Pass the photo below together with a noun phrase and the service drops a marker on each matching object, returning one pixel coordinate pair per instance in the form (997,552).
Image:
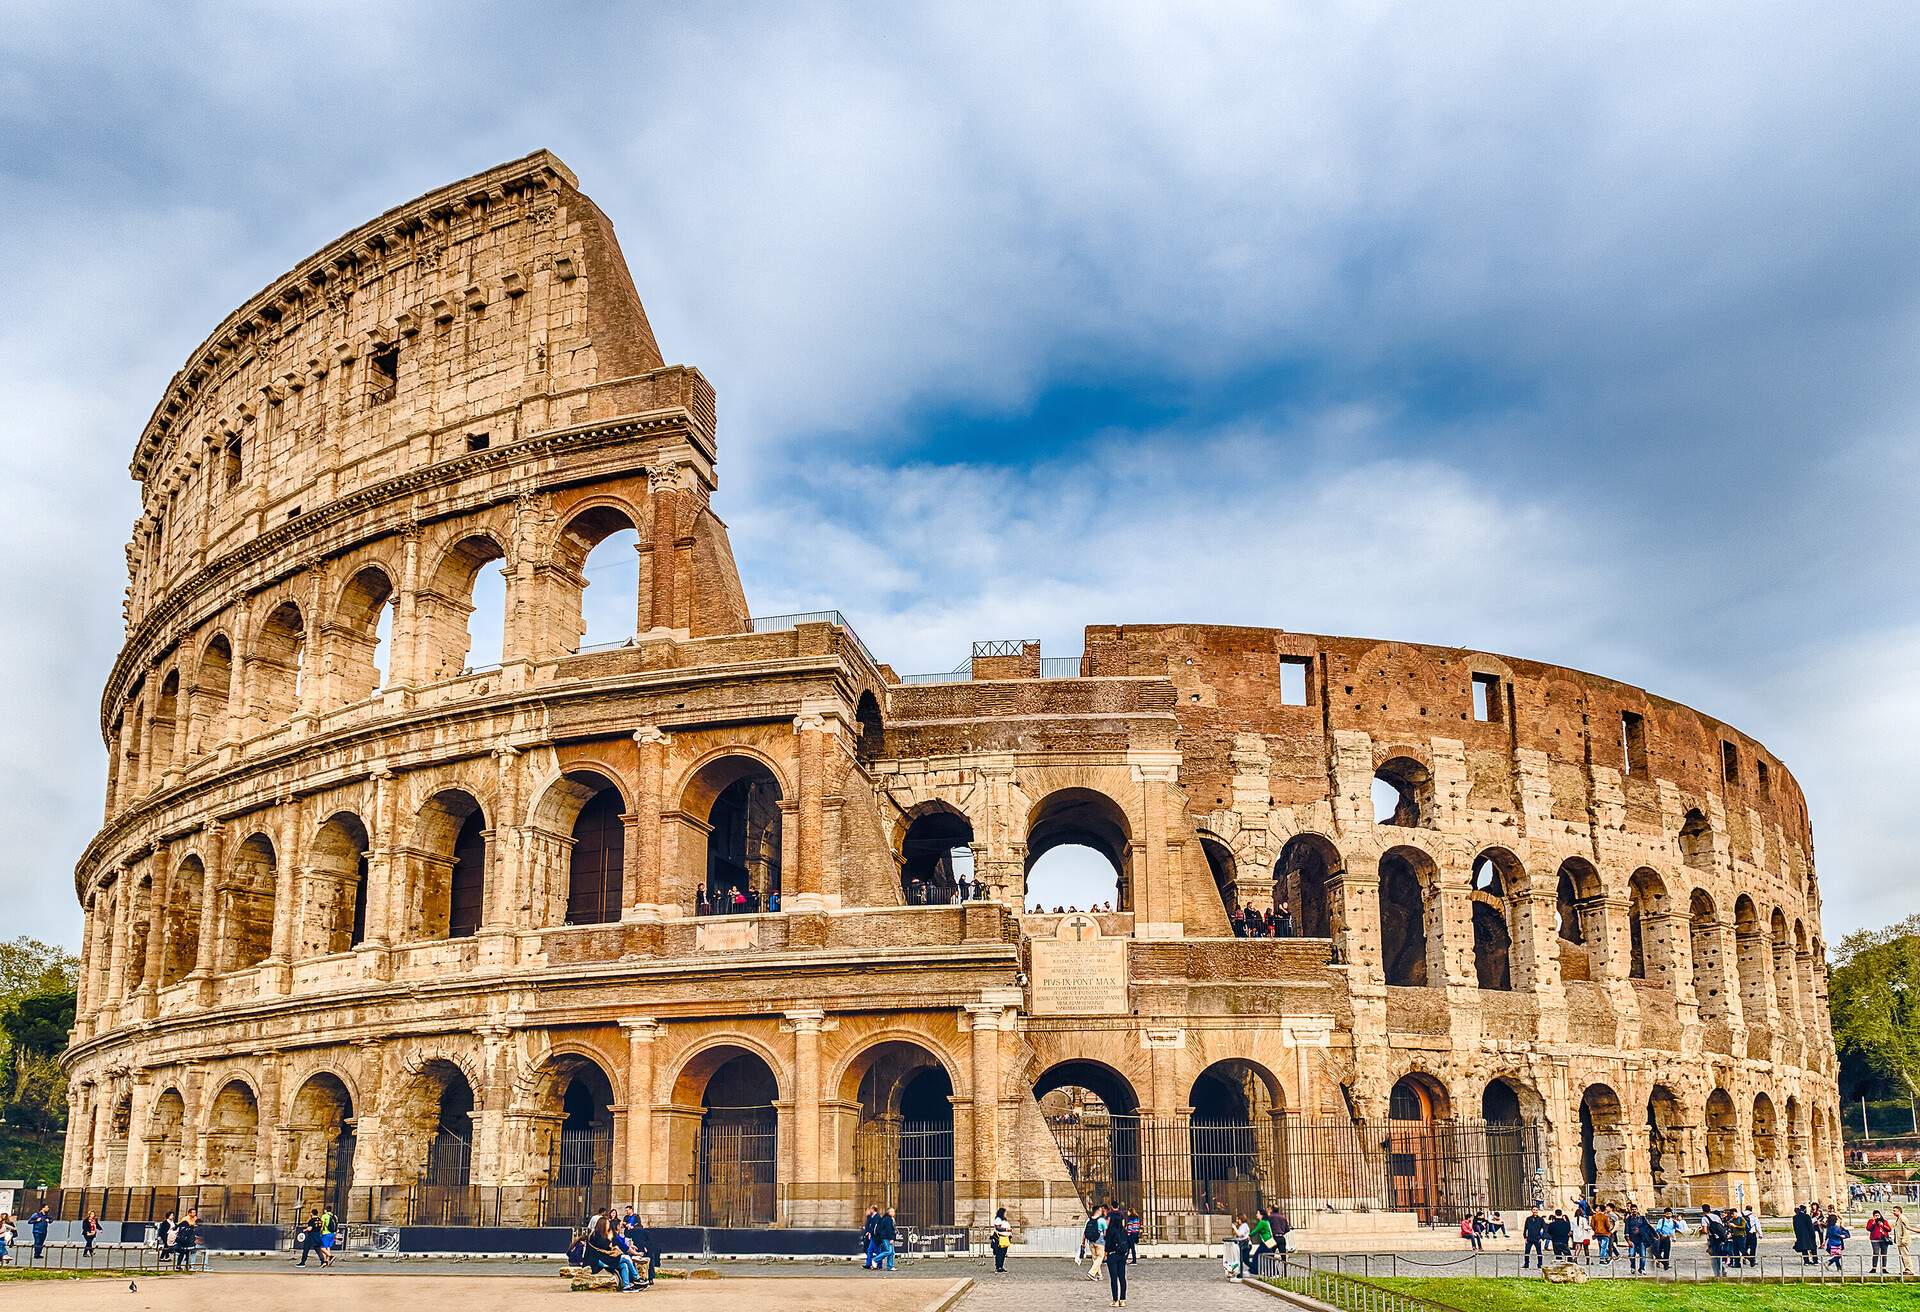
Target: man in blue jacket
(1534,1235)
(39,1221)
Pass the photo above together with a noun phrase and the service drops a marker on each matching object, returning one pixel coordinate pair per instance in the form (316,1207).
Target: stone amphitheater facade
(433,926)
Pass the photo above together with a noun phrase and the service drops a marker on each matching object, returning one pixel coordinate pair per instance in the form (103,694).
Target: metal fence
(135,1258)
(1682,1267)
(739,1153)
(1337,1289)
(1440,1170)
(908,1166)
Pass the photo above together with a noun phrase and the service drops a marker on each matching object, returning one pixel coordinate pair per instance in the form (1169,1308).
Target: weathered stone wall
(274,939)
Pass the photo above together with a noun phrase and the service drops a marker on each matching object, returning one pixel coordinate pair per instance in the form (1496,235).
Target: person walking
(868,1243)
(1753,1236)
(1278,1223)
(309,1237)
(38,1222)
(89,1231)
(1803,1242)
(163,1233)
(1605,1226)
(1903,1240)
(1837,1236)
(1639,1241)
(1533,1237)
(1560,1231)
(1243,1245)
(327,1227)
(1582,1239)
(1090,1241)
(1664,1230)
(1880,1236)
(1118,1248)
(1136,1228)
(1717,1237)
(886,1230)
(186,1236)
(1002,1240)
(1262,1241)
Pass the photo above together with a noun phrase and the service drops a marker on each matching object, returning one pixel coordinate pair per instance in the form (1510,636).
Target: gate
(339,1182)
(442,1196)
(736,1171)
(580,1181)
(908,1166)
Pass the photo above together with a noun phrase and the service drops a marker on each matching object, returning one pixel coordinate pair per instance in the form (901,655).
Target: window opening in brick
(1730,763)
(230,464)
(1760,773)
(1696,841)
(1486,698)
(479,441)
(1079,853)
(936,857)
(487,623)
(1293,680)
(383,374)
(596,865)
(1633,742)
(1405,876)
(603,545)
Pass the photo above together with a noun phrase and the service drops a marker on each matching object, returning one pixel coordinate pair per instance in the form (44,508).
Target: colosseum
(452,922)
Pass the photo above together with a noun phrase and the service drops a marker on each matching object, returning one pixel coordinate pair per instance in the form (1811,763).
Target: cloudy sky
(1583,336)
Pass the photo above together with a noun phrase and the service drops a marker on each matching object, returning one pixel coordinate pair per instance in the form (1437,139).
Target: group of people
(733,901)
(1111,1238)
(877,1237)
(179,1236)
(1256,1235)
(1252,922)
(619,1244)
(922,893)
(316,1238)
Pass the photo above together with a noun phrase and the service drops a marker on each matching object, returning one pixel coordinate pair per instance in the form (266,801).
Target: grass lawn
(11,1274)
(1512,1294)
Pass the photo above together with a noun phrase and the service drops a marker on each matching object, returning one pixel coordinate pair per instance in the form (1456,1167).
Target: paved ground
(281,1291)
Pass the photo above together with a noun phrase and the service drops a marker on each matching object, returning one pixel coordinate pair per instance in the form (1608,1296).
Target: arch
(1496,876)
(1085,819)
(447,875)
(1577,925)
(1666,1145)
(320,1137)
(736,1155)
(737,798)
(1407,878)
(143,910)
(1785,995)
(1415,1152)
(1703,942)
(229,1143)
(430,1120)
(903,1141)
(208,700)
(1308,865)
(333,901)
(597,844)
(1094,1116)
(1509,1108)
(1403,793)
(1696,841)
(871,738)
(166,712)
(180,921)
(1220,864)
(1603,1145)
(575,1132)
(1231,1134)
(362,609)
(166,1131)
(601,543)
(445,616)
(1751,960)
(277,665)
(935,854)
(247,904)
(1648,946)
(1768,1155)
(1723,1133)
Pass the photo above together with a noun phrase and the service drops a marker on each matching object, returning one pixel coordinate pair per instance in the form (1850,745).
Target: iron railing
(775,623)
(134,1258)
(737,1167)
(1342,1291)
(908,1166)
(1690,1266)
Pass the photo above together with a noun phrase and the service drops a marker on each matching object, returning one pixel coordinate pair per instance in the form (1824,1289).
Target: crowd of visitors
(1111,1239)
(922,893)
(618,1244)
(1252,922)
(732,900)
(1254,1236)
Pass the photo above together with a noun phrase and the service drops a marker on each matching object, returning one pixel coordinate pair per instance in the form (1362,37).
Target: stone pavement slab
(341,1292)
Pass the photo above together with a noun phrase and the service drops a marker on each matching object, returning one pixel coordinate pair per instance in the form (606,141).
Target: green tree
(1874,993)
(36,1013)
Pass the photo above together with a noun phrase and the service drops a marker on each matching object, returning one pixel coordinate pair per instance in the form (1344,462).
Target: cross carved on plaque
(1080,928)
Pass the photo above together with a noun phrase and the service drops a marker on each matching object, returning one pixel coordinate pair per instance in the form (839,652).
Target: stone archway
(1605,1173)
(903,1148)
(1094,1116)
(1233,1137)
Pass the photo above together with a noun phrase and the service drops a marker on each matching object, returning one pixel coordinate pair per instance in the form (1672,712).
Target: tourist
(1582,1239)
(1717,1238)
(1262,1236)
(1470,1230)
(1560,1231)
(868,1242)
(1534,1238)
(1803,1241)
(186,1237)
(702,907)
(1243,1245)
(327,1228)
(1605,1226)
(38,1223)
(1736,1223)
(1753,1237)
(1283,920)
(642,1241)
(773,900)
(163,1233)
(1002,1240)
(1282,1227)
(89,1231)
(1837,1236)
(631,1254)
(1497,1225)
(1091,1241)
(7,1234)
(1880,1236)
(1639,1240)
(1664,1228)
(1903,1240)
(1119,1248)
(309,1237)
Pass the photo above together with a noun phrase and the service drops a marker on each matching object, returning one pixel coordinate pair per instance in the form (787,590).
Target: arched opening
(232,1136)
(166,711)
(1496,874)
(936,856)
(127,734)
(1230,1137)
(1696,841)
(1767,1155)
(1415,1153)
(1505,1116)
(1406,874)
(333,903)
(1603,1155)
(278,659)
(461,615)
(903,1143)
(137,932)
(1750,955)
(1647,929)
(1723,1133)
(580,1176)
(246,919)
(447,880)
(1308,864)
(1666,1146)
(1226,881)
(866,714)
(320,1144)
(433,1127)
(1709,972)
(1094,1116)
(1403,793)
(1796,1151)
(165,1129)
(737,1168)
(739,801)
(180,921)
(1783,991)
(207,705)
(359,659)
(1079,853)
(596,865)
(600,553)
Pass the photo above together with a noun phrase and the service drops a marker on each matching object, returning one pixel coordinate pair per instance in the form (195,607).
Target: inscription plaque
(1078,972)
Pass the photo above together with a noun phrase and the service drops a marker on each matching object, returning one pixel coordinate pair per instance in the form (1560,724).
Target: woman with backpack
(1118,1248)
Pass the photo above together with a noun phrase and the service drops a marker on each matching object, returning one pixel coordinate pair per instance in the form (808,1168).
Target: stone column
(213,879)
(403,656)
(806,892)
(382,872)
(983,1019)
(807,1205)
(658,552)
(640,1173)
(1159,909)
(646,878)
(117,952)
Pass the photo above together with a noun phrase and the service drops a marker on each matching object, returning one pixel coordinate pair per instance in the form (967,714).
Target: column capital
(807,1020)
(642,1029)
(652,734)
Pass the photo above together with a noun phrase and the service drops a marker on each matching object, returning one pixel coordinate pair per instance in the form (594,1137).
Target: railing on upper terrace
(1051,667)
